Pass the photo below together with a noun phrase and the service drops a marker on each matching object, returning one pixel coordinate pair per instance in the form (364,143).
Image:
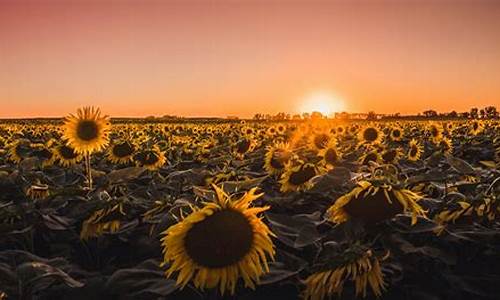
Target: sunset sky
(220,58)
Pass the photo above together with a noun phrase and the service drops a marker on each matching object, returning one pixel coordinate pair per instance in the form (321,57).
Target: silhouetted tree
(473,113)
(430,113)
(371,115)
(491,112)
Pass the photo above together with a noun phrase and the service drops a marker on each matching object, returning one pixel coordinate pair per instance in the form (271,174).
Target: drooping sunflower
(121,152)
(19,150)
(371,156)
(415,150)
(66,155)
(38,191)
(104,220)
(370,135)
(357,265)
(276,157)
(451,214)
(297,176)
(376,203)
(219,243)
(152,159)
(330,155)
(87,132)
(391,155)
(244,146)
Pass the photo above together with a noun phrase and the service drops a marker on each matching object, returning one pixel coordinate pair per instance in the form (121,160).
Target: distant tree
(491,112)
(473,113)
(316,115)
(371,115)
(452,114)
(465,114)
(296,117)
(430,113)
(482,113)
(258,117)
(342,115)
(279,116)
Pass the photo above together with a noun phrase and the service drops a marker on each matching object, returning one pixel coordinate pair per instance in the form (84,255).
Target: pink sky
(219,58)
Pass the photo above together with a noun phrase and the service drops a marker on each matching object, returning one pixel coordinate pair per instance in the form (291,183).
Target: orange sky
(219,58)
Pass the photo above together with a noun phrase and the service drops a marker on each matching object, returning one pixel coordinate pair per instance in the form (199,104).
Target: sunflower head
(297,176)
(330,155)
(320,140)
(277,157)
(121,152)
(435,132)
(66,155)
(86,132)
(372,156)
(370,135)
(415,150)
(356,264)
(152,159)
(375,202)
(391,155)
(396,134)
(219,243)
(476,127)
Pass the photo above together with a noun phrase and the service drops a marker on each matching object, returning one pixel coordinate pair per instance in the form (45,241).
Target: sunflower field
(94,208)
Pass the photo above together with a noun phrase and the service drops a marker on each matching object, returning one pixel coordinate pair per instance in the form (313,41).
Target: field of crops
(93,209)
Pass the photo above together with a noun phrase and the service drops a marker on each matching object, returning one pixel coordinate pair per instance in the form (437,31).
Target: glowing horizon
(198,59)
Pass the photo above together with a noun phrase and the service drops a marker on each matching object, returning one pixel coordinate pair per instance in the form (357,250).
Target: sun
(322,101)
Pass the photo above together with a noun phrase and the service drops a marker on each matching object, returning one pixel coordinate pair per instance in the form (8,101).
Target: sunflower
(219,243)
(436,132)
(415,150)
(243,146)
(476,127)
(19,150)
(105,220)
(86,132)
(458,210)
(38,191)
(357,265)
(445,145)
(320,140)
(152,159)
(277,157)
(330,155)
(298,177)
(396,134)
(121,152)
(66,155)
(391,155)
(375,203)
(370,135)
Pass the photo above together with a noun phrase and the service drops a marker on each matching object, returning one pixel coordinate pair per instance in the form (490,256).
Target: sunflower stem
(88,170)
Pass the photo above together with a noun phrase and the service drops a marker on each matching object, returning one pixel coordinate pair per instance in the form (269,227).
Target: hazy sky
(219,58)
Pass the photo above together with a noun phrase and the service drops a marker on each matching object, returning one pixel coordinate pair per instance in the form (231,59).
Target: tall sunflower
(373,203)
(87,132)
(219,243)
(357,265)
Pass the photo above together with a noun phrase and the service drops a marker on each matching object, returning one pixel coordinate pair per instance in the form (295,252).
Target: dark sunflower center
(150,158)
(389,156)
(475,125)
(321,140)
(373,208)
(370,134)
(302,175)
(67,152)
(413,151)
(87,130)
(243,146)
(396,133)
(220,240)
(122,150)
(331,156)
